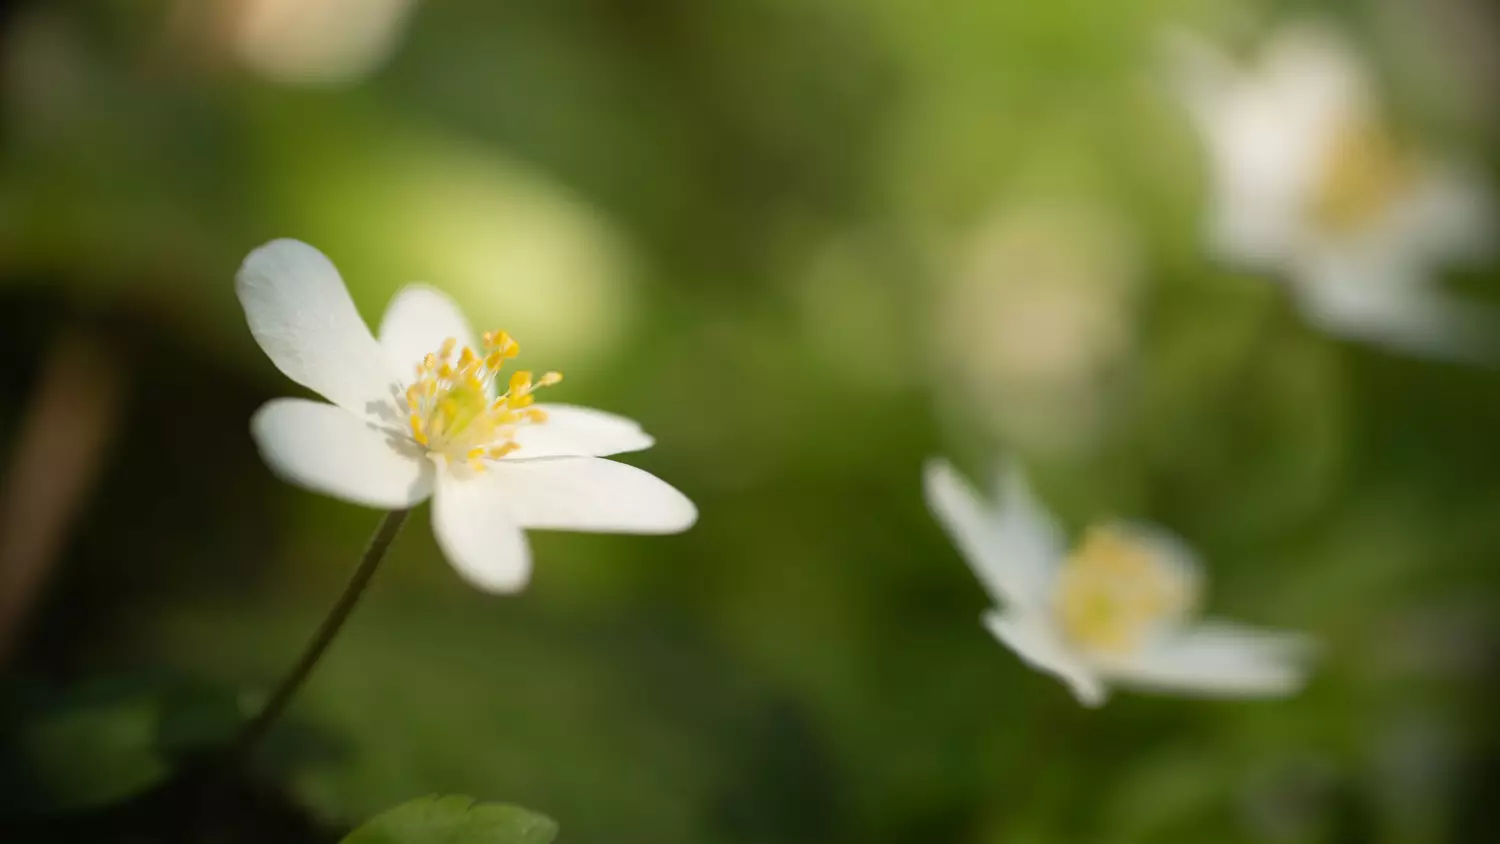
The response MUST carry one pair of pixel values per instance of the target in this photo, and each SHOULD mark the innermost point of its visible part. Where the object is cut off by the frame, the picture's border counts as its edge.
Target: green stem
(380, 542)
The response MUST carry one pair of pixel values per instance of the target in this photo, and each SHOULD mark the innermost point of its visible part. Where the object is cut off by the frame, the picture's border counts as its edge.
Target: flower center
(454, 411)
(1365, 171)
(1116, 590)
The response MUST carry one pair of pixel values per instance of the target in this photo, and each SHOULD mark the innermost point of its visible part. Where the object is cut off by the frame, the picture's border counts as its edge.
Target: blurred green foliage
(735, 222)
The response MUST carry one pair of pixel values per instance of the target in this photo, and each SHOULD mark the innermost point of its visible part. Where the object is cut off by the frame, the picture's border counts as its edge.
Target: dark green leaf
(104, 739)
(87, 753)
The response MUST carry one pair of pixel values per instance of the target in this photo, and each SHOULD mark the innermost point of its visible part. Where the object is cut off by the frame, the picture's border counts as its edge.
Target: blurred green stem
(380, 542)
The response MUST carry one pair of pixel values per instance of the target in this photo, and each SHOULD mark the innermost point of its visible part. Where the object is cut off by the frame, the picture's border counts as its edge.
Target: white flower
(1116, 610)
(1306, 180)
(417, 414)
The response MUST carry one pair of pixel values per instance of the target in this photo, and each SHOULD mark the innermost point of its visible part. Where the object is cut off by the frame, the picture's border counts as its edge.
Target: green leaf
(88, 755)
(105, 739)
(455, 820)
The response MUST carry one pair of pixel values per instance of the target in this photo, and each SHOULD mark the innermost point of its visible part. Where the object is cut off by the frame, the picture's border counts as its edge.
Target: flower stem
(380, 542)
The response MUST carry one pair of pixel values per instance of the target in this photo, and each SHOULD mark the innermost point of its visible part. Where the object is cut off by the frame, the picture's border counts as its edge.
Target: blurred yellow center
(1115, 590)
(453, 410)
(1366, 171)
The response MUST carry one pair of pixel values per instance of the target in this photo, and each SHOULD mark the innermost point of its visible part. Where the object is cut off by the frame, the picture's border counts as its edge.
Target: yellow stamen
(1117, 589)
(453, 412)
(501, 343)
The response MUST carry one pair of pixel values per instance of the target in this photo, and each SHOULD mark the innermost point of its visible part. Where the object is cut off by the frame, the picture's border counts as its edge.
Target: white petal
(330, 450)
(1040, 647)
(416, 322)
(300, 313)
(1013, 549)
(1267, 131)
(1451, 213)
(477, 534)
(1313, 68)
(579, 432)
(588, 494)
(1028, 533)
(1220, 660)
(1363, 292)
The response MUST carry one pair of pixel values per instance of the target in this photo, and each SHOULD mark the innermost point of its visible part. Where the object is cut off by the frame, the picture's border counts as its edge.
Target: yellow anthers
(1117, 588)
(454, 410)
(501, 343)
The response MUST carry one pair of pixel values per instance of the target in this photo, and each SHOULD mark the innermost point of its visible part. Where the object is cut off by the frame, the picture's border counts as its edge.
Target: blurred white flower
(1036, 321)
(1117, 610)
(1307, 180)
(317, 42)
(417, 414)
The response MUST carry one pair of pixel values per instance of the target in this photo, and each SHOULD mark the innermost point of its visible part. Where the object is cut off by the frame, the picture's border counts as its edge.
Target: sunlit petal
(579, 432)
(477, 533)
(416, 323)
(300, 313)
(588, 494)
(330, 450)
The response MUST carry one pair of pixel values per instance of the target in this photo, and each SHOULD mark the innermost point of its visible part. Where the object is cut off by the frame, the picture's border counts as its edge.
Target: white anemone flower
(1306, 180)
(1116, 610)
(418, 413)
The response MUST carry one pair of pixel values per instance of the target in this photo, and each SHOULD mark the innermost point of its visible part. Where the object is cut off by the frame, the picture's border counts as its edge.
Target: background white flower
(1307, 180)
(418, 414)
(1116, 610)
